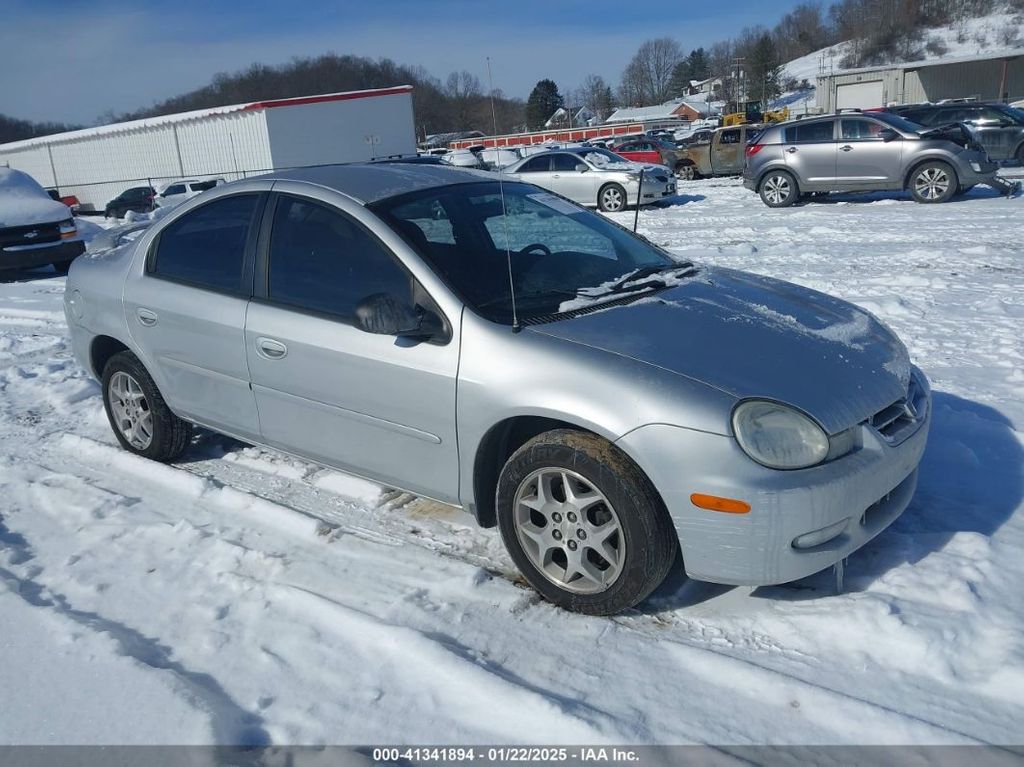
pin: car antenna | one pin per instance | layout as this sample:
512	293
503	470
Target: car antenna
516	327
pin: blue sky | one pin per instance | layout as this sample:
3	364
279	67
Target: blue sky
75	59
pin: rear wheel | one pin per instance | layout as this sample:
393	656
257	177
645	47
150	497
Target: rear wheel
137	412
611	198
778	189
686	171
583	523
933	182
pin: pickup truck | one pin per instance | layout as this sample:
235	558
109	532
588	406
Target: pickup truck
723	155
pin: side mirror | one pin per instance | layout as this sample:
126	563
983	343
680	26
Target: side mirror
383	314
888	134
582	167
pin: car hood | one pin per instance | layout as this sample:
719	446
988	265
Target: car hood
24	203
753	336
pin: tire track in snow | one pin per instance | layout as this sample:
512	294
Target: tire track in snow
230	722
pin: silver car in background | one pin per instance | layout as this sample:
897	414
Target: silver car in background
593	176
626	406
863	152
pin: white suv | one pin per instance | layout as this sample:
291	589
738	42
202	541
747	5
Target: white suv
178	191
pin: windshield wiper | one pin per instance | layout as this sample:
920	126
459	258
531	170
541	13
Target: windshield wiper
639	274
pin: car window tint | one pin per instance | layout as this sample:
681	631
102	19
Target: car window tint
206	246
861	130
729	137
565	162
175	189
322	260
537	165
809	132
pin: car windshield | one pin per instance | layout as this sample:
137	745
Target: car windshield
602	157
561	256
897	122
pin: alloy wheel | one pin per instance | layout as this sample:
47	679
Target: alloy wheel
569	530
932	183
777	189
612	199
132	415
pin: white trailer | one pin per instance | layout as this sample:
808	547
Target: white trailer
231	142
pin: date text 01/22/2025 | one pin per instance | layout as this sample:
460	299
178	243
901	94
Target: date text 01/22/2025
449	754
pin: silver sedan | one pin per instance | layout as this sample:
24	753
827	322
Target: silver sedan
593	176
496	347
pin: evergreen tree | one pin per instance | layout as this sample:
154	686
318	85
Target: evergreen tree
698	64
544	100
764	70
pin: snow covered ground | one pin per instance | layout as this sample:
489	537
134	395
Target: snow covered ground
241	596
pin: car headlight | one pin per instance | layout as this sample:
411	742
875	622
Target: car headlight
68	229
778	436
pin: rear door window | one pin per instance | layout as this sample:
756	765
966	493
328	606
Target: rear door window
206	246
536	165
815	132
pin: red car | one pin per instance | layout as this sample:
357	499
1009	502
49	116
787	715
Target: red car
649	150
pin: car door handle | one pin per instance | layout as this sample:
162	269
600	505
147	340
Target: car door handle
792	150
846	148
270	349
146	316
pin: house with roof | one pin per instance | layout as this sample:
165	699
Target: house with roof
676	109
580	117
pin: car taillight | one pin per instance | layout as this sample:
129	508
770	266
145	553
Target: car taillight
754	149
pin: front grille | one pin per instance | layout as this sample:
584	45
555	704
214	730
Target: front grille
903	415
29	235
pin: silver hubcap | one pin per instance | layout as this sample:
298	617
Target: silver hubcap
131	410
932	183
611	198
776	189
569	531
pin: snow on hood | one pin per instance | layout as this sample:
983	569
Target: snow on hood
753	336
23	202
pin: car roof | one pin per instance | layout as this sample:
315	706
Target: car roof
372	182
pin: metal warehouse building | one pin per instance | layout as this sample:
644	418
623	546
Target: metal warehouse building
231	142
995	76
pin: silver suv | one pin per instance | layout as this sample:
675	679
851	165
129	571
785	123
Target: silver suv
362	317
855	152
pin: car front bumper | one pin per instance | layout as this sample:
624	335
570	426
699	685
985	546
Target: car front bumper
852	499
28	257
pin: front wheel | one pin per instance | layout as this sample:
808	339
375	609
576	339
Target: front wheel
933	182
611	198
137	412
778	189
583	524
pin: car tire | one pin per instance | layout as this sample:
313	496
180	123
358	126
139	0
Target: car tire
565	545
687	172
61	267
933	182
1020	154
778	189
611	198
137	412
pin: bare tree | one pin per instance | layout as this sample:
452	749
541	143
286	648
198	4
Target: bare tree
596	95
464	91
647	78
